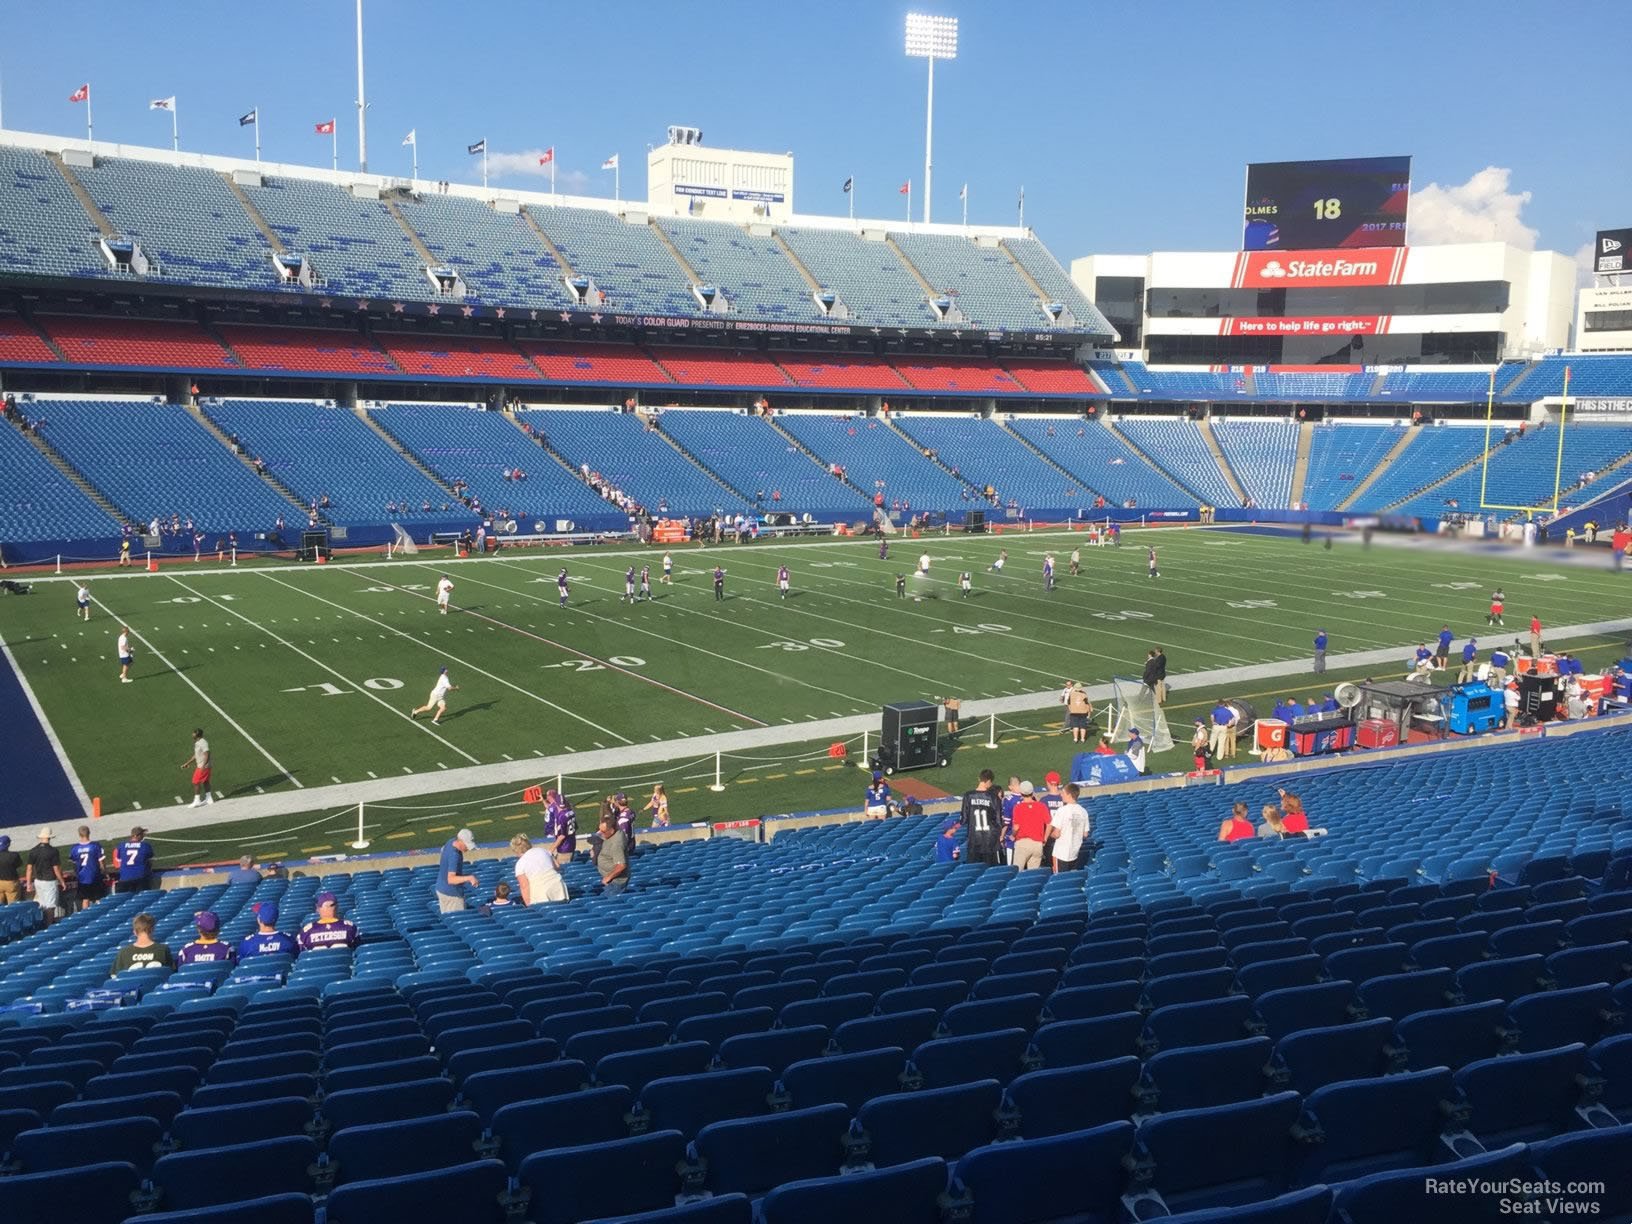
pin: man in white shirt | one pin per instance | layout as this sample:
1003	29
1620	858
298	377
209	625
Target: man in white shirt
438	700
125	657
1068	829
536	873
82	599
444	589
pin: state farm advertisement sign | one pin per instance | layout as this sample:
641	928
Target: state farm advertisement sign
1295	269
1324	325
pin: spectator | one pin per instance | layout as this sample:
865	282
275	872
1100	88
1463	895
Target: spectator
267	939
1068	829
536	873
142	952
623	816
947	849
982	816
501	897
1010	798
1272	825
328	930
134	861
560	826
44	875
1136	749
1510	704
450	873
658	806
10	864
1237	827
207	948
1079	712
1161	676
1030	829
1535	635
1149	676
1320	651
876	799
1220	741
1104	747
245	872
1200	745
86	855
612	861
1293	816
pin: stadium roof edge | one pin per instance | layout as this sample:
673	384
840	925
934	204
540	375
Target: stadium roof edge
47	143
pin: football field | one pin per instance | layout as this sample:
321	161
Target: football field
304	677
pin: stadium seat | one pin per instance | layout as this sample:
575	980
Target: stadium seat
905	1194
905	1127
778	1049
533	1052
595	1115
1551	1018
847	1079
216	1176
162	1106
234	1125
1086	1002
590	1047
1021	1181
905	1030
1193	1077
126	1140
99	1193
1519	1098
997	1055
1584	1158
637	1068
1611	1062
364	1106
754	1155
394	1149
1364	1126
1196	1023
1403	994
466	1192
646	1178
1216	1157
1056	1101
1405	1194
1312	1058
1072	1042
687	1103
1451	1036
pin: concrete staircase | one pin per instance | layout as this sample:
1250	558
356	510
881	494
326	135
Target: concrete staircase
1517	378
548	448
254	214
700	465
414	240
1042	457
367	418
890	423
1407	436
1205	429
44	336
549	243
72	473
221	436
662	236
1145	457
1127	383
103	225
1300	466
929	290
817	459
814	285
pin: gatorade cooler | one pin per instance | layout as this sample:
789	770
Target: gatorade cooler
1601	687
1548	666
1522	664
1270	733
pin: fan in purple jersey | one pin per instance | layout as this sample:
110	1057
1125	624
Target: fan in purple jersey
328	929
207	948
560	826
624	816
267	939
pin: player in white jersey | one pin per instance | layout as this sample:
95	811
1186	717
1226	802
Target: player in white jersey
965	583
444	589
125	657
438	700
1076	560
629	585
923	565
668	570
1150	563
82	600
1002	560
782	581
561	586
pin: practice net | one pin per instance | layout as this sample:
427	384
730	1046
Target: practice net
1135	706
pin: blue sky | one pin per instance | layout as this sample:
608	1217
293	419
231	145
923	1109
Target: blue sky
1128	124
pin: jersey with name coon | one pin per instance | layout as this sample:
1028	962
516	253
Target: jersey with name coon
154	956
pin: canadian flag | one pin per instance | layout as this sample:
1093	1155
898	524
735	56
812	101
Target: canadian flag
610	163
324	129
546	157
82	94
905	188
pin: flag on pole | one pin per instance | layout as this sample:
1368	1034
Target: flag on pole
963	194
546	157
164	104
248	119
905	188
610	163
324	129
82	94
479	147
849	185
412	138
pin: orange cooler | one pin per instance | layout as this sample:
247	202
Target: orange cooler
1271	733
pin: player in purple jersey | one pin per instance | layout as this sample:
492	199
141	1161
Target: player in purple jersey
719	583
883	548
645	582
624	817
207	948
629	584
1048	572
782	581
267	939
560	827
328	929
561	586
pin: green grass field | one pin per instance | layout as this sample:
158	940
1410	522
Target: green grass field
307	675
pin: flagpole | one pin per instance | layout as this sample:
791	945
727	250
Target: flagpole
484	163
851	195
965	195
415	178
175	130
1022	208
88	128
257	135
334	143
552	171
362	106
617	179
909	201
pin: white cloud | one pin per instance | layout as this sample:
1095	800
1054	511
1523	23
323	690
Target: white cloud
572	182
1483	209
525	162
1583	263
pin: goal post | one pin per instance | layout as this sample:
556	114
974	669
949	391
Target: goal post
1558	461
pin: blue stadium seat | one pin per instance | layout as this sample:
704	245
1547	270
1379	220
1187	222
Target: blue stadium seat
1299	1007
162	1106
1056	1101
687	1103
1085	1002
241	1124
1403	994
1071	1042
589	1048
1519	1098
717	1027
1586	963
724	1209
363	1106
1364	1126
1217	1157
273	1209
1313	1058
96	1194
637	1068
1507	978
530	1053
905	1194
595	1115
1601	1156
215	1176
1611	1061
394	1149
848	1079
904	1029
1010	1183
778	1049
1451	1036
830	1012
1196	1023
1405	1194
1552	1018
996	1055
646	1178
1308	1206
373	1075
126	1140
487	1092
1193	1077
754	1155
466	1192
904	1127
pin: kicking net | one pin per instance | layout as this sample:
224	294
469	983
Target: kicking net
1135	706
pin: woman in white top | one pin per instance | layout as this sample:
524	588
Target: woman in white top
658	806
536	873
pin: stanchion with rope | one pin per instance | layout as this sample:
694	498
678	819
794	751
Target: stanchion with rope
991	731
866	753
362	842
718	784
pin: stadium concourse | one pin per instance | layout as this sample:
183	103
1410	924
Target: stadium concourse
210	361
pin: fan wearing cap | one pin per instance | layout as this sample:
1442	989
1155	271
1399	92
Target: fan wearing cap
1030	828
450	872
44	874
876	801
1053	800
623	816
207	948
134	859
560	826
267	939
328	929
1136	749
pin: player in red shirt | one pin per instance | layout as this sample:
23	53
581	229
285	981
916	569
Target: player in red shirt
1535	637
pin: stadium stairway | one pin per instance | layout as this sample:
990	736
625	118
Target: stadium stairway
814	285
1300	466
691	275
932	455
549	245
34	329
221	436
1205	429
929	291
71	473
1445	478
1150	462
1383	465
1520	373
254	214
419	464
692	459
98	218
816	459
414	240
1066	472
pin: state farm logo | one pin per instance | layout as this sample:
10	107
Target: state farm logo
1610	244
1321	269
1338	266
1271	270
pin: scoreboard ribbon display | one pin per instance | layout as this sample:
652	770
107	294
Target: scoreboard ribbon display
1353	202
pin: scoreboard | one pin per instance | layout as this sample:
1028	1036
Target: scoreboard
1325	205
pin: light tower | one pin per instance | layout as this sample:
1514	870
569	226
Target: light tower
931	38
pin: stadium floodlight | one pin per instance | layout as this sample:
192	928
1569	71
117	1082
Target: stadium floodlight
931	38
